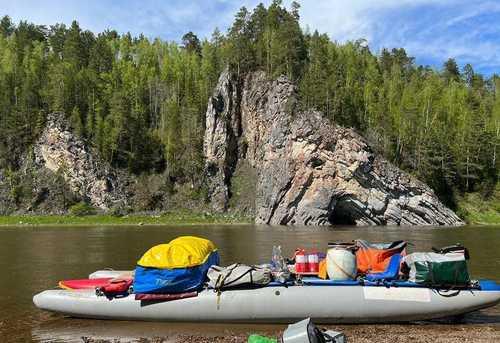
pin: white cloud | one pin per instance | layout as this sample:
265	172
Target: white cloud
430	30
347	20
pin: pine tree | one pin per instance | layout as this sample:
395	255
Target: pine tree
6	26
77	121
450	70
241	53
191	43
74	50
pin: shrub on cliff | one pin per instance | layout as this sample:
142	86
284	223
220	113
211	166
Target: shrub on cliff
119	211
150	192
479	208
82	209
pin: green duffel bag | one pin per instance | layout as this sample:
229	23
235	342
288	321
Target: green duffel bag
261	339
435	269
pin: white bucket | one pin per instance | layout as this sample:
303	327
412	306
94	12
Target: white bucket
340	264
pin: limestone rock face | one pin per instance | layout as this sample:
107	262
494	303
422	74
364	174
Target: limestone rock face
60	151
310	172
220	142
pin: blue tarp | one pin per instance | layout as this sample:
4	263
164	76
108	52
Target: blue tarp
175	280
390	273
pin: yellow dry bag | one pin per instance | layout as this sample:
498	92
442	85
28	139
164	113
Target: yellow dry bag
182	252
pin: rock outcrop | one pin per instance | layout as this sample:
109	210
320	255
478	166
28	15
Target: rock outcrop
310	172
60	151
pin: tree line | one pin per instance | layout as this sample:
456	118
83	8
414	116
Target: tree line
141	102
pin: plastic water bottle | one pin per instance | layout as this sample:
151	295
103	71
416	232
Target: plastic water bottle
278	266
277	259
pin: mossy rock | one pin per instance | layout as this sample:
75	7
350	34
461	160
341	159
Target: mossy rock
82	209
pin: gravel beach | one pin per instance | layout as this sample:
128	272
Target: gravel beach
360	334
89	331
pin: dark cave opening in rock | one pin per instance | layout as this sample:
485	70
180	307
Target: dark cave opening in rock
341	214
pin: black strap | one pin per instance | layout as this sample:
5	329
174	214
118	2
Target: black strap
249	271
453	248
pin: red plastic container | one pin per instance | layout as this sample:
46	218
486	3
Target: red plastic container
300	261
313	262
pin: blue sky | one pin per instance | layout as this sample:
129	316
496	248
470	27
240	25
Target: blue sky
430	30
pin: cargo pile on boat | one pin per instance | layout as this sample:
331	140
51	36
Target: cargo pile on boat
382	262
355	281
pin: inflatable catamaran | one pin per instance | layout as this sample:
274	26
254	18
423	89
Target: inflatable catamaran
196	290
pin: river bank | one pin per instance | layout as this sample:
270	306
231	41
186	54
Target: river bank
428	332
473	208
168	218
486	219
475	215
384	333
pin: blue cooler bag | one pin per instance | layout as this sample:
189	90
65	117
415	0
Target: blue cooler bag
177	267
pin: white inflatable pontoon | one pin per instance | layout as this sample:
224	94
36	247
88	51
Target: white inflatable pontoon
322	300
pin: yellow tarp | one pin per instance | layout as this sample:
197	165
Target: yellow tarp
322	274
182	252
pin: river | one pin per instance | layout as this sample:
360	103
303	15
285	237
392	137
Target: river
36	258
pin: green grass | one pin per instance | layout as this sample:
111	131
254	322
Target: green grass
472	207
171	218
477	210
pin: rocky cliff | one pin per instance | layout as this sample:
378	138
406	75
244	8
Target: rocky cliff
309	171
60	151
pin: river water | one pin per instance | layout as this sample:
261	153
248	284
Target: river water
36	258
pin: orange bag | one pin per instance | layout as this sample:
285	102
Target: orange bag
374	258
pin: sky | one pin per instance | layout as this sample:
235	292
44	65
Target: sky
430	30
